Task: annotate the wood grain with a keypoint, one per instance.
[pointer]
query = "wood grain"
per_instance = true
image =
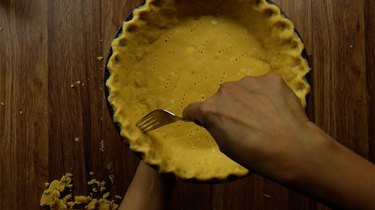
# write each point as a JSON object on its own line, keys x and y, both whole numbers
{"x": 370, "y": 72}
{"x": 339, "y": 57}
{"x": 46, "y": 46}
{"x": 74, "y": 45}
{"x": 23, "y": 91}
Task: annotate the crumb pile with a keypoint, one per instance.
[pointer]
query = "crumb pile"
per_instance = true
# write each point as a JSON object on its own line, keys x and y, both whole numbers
{"x": 59, "y": 195}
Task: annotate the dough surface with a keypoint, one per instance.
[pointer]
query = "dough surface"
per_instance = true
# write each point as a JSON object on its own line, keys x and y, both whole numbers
{"x": 174, "y": 52}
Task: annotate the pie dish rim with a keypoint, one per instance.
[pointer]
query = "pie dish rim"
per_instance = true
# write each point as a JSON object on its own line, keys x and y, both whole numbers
{"x": 106, "y": 75}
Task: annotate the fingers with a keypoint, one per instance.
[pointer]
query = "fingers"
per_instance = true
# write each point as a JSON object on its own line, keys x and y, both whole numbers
{"x": 194, "y": 113}
{"x": 270, "y": 86}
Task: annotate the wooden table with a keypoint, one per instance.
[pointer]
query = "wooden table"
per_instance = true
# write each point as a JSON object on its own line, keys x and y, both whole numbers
{"x": 48, "y": 128}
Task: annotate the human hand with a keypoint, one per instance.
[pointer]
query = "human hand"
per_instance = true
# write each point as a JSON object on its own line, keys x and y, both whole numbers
{"x": 258, "y": 122}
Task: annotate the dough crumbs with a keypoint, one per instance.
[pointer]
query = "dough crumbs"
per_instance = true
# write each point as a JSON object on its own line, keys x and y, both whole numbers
{"x": 1, "y": 28}
{"x": 58, "y": 197}
{"x": 106, "y": 195}
{"x": 91, "y": 182}
{"x": 92, "y": 204}
{"x": 111, "y": 178}
{"x": 21, "y": 112}
{"x": 76, "y": 83}
{"x": 2, "y": 103}
{"x": 102, "y": 183}
{"x": 76, "y": 139}
{"x": 99, "y": 58}
{"x": 79, "y": 199}
{"x": 102, "y": 149}
{"x": 266, "y": 195}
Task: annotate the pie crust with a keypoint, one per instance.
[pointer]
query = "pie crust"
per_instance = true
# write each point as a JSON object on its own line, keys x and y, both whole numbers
{"x": 174, "y": 52}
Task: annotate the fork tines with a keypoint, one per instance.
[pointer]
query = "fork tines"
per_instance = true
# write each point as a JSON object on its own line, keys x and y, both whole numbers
{"x": 153, "y": 120}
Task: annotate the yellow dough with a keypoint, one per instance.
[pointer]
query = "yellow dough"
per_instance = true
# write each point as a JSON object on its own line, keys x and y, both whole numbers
{"x": 174, "y": 52}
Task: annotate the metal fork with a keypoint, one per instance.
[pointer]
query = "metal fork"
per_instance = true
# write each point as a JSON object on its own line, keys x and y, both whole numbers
{"x": 157, "y": 119}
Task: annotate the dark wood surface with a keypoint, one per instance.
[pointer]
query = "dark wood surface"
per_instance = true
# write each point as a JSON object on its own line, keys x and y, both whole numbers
{"x": 45, "y": 46}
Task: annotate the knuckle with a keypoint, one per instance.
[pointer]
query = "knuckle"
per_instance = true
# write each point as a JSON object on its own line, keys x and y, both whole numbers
{"x": 273, "y": 81}
{"x": 207, "y": 108}
{"x": 251, "y": 83}
{"x": 249, "y": 79}
{"x": 228, "y": 87}
{"x": 274, "y": 77}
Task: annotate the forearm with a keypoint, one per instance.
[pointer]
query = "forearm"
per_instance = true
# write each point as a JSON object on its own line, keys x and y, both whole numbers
{"x": 148, "y": 190}
{"x": 336, "y": 176}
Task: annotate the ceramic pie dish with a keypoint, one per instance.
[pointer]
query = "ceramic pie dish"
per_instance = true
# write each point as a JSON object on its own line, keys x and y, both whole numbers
{"x": 174, "y": 52}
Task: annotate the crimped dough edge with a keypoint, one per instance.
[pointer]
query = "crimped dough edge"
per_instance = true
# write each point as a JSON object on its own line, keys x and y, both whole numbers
{"x": 298, "y": 84}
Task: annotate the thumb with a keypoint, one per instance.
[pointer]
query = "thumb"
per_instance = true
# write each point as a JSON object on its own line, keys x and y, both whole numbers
{"x": 194, "y": 113}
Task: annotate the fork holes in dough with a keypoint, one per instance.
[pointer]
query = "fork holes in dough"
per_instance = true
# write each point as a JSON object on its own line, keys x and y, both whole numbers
{"x": 223, "y": 76}
{"x": 182, "y": 101}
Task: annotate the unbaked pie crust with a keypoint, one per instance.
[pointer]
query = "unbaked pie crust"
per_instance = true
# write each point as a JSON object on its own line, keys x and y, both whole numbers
{"x": 174, "y": 52}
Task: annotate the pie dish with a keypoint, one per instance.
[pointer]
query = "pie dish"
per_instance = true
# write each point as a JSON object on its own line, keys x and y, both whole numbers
{"x": 174, "y": 52}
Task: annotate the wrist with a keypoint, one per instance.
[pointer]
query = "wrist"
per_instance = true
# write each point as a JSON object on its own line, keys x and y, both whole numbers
{"x": 148, "y": 185}
{"x": 305, "y": 154}
{"x": 315, "y": 157}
